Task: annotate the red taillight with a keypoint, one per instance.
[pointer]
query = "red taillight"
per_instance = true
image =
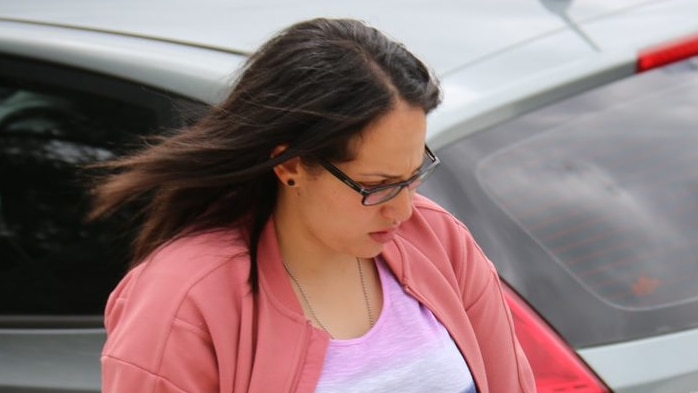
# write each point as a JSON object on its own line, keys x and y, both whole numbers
{"x": 667, "y": 53}
{"x": 556, "y": 367}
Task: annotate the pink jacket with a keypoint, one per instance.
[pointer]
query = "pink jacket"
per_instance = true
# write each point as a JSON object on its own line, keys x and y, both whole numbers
{"x": 186, "y": 320}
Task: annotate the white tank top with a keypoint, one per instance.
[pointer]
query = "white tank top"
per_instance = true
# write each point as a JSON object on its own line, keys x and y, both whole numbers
{"x": 406, "y": 351}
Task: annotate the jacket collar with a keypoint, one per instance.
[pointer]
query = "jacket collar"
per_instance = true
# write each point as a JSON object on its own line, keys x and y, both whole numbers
{"x": 272, "y": 275}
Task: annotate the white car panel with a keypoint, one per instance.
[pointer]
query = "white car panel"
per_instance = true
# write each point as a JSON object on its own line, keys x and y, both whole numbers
{"x": 591, "y": 9}
{"x": 68, "y": 358}
{"x": 454, "y": 121}
{"x": 435, "y": 30}
{"x": 653, "y": 23}
{"x": 513, "y": 83}
{"x": 177, "y": 68}
{"x": 664, "y": 363}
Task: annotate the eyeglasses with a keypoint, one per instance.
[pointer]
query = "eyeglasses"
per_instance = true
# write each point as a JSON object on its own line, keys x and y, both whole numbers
{"x": 380, "y": 194}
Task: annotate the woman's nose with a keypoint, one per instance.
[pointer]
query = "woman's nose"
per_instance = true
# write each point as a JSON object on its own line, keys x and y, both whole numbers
{"x": 399, "y": 208}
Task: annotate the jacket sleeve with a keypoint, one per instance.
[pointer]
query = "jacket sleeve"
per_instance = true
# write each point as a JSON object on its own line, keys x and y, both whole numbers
{"x": 187, "y": 366}
{"x": 150, "y": 348}
{"x": 508, "y": 370}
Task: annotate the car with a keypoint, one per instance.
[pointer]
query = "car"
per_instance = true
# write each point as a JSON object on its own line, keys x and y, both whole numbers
{"x": 568, "y": 136}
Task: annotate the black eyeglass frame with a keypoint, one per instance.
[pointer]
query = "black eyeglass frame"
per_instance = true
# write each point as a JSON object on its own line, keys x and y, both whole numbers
{"x": 399, "y": 186}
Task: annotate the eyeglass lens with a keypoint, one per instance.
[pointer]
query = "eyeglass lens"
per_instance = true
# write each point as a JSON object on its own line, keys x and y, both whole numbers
{"x": 388, "y": 193}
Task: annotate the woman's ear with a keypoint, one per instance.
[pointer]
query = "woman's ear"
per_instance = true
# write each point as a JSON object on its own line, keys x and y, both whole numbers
{"x": 288, "y": 171}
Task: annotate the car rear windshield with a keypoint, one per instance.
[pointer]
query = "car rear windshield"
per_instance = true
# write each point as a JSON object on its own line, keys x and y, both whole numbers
{"x": 590, "y": 207}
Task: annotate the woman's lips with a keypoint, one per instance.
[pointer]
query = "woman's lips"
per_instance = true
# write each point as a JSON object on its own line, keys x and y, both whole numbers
{"x": 382, "y": 236}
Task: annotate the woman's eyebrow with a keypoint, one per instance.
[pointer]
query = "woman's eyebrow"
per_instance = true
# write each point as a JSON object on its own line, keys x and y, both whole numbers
{"x": 383, "y": 175}
{"x": 388, "y": 176}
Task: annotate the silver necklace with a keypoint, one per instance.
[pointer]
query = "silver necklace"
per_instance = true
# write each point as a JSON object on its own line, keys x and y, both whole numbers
{"x": 306, "y": 300}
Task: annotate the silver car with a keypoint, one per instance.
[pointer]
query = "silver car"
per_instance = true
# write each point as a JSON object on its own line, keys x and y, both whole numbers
{"x": 568, "y": 136}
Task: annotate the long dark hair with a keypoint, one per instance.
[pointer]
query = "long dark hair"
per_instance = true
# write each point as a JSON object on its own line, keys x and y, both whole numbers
{"x": 312, "y": 87}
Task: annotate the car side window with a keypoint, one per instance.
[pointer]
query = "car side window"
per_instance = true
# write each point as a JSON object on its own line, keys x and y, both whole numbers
{"x": 54, "y": 121}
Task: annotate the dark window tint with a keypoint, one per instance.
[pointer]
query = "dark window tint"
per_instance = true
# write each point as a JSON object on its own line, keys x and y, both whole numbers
{"x": 53, "y": 121}
{"x": 590, "y": 207}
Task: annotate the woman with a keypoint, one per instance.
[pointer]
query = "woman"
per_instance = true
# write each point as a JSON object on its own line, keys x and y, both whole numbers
{"x": 283, "y": 247}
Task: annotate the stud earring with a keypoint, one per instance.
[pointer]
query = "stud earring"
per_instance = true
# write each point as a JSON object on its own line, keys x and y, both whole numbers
{"x": 290, "y": 182}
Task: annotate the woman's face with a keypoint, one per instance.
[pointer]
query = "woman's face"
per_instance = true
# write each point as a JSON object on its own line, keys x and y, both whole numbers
{"x": 331, "y": 213}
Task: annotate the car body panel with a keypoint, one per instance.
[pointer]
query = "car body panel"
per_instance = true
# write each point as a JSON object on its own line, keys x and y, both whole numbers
{"x": 501, "y": 85}
{"x": 668, "y": 364}
{"x": 242, "y": 27}
{"x": 37, "y": 361}
{"x": 189, "y": 71}
{"x": 467, "y": 108}
{"x": 436, "y": 30}
{"x": 641, "y": 26}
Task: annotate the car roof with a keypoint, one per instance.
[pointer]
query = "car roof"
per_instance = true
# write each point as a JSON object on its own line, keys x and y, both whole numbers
{"x": 449, "y": 34}
{"x": 496, "y": 58}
